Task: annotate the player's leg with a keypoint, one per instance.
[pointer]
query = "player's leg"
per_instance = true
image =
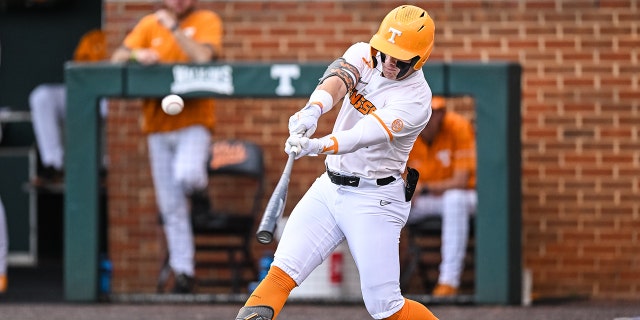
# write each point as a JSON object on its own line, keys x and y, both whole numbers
{"x": 103, "y": 106}
{"x": 172, "y": 203}
{"x": 192, "y": 154}
{"x": 373, "y": 234}
{"x": 4, "y": 248}
{"x": 194, "y": 149}
{"x": 412, "y": 310}
{"x": 268, "y": 298}
{"x": 457, "y": 206}
{"x": 48, "y": 103}
{"x": 309, "y": 236}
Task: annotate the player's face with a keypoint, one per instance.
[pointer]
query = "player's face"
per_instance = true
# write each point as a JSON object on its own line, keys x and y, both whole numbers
{"x": 180, "y": 7}
{"x": 392, "y": 67}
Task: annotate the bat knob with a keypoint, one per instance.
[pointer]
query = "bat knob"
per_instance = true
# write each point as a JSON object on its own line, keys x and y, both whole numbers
{"x": 264, "y": 237}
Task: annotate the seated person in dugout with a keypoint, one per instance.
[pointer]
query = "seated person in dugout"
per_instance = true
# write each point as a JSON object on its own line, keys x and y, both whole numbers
{"x": 48, "y": 104}
{"x": 445, "y": 156}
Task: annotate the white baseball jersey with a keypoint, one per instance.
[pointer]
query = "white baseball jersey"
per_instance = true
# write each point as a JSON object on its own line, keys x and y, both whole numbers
{"x": 401, "y": 110}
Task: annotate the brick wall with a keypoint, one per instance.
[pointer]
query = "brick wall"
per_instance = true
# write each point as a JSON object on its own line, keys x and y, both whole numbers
{"x": 580, "y": 123}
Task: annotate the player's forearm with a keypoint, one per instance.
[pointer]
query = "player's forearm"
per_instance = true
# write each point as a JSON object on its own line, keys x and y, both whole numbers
{"x": 364, "y": 134}
{"x": 121, "y": 54}
{"x": 335, "y": 87}
{"x": 197, "y": 52}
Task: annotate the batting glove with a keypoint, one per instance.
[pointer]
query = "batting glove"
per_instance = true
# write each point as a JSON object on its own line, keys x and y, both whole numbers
{"x": 305, "y": 121}
{"x": 303, "y": 146}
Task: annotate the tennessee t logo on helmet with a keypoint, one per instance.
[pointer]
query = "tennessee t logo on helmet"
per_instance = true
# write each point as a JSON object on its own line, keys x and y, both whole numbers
{"x": 394, "y": 33}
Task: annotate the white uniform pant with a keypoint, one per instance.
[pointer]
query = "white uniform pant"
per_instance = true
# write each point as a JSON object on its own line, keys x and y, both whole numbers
{"x": 179, "y": 167}
{"x": 4, "y": 240}
{"x": 369, "y": 218}
{"x": 48, "y": 103}
{"x": 455, "y": 206}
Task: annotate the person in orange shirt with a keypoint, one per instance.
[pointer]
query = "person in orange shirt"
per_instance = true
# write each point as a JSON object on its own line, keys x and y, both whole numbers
{"x": 445, "y": 157}
{"x": 179, "y": 144}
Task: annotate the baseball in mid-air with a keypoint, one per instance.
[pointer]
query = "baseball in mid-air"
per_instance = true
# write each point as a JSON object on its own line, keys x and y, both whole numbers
{"x": 172, "y": 104}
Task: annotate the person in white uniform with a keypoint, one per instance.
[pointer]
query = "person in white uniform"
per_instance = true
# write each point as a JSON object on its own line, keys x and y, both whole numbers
{"x": 4, "y": 244}
{"x": 4, "y": 249}
{"x": 445, "y": 157}
{"x": 361, "y": 198}
{"x": 48, "y": 104}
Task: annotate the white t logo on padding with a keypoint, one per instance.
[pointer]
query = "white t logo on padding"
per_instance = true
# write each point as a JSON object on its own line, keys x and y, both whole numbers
{"x": 394, "y": 33}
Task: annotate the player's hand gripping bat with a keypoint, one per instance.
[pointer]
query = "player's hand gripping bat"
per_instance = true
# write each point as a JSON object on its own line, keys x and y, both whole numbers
{"x": 276, "y": 204}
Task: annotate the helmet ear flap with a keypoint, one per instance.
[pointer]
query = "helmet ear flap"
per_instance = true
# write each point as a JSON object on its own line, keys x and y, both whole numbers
{"x": 424, "y": 58}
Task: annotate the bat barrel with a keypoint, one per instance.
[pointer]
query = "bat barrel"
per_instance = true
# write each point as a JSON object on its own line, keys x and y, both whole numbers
{"x": 275, "y": 206}
{"x": 264, "y": 237}
{"x": 272, "y": 213}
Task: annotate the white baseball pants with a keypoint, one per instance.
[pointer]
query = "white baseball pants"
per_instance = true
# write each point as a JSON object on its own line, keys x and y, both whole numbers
{"x": 48, "y": 103}
{"x": 455, "y": 206}
{"x": 4, "y": 240}
{"x": 179, "y": 167}
{"x": 369, "y": 218}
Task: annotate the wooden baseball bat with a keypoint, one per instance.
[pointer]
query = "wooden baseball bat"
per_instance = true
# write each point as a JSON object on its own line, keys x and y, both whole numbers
{"x": 276, "y": 204}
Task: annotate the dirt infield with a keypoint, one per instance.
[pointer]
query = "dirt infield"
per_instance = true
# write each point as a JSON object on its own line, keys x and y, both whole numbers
{"x": 583, "y": 310}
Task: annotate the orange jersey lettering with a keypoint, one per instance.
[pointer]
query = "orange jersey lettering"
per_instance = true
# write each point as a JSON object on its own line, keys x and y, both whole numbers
{"x": 360, "y": 103}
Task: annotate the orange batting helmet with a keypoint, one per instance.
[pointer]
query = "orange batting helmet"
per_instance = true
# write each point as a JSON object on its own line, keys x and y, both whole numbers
{"x": 406, "y": 33}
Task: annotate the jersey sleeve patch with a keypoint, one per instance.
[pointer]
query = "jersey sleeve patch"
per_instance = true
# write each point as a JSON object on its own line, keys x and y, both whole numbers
{"x": 397, "y": 125}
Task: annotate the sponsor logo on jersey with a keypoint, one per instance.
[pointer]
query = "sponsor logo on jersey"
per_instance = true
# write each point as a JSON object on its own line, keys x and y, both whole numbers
{"x": 368, "y": 62}
{"x": 333, "y": 148}
{"x": 360, "y": 103}
{"x": 384, "y": 202}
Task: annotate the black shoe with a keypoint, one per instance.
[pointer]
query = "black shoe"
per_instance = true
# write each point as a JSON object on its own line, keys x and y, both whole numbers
{"x": 183, "y": 284}
{"x": 48, "y": 176}
{"x": 49, "y": 179}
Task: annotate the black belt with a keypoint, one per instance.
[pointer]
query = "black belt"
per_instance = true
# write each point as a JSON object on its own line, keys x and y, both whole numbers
{"x": 353, "y": 181}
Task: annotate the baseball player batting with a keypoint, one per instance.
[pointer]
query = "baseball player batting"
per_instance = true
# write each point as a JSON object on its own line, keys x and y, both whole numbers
{"x": 361, "y": 196}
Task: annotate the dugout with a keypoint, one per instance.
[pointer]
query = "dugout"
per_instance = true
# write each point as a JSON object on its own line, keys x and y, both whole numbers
{"x": 36, "y": 38}
{"x": 496, "y": 88}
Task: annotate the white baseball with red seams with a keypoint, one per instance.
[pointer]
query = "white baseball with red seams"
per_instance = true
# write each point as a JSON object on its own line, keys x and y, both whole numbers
{"x": 172, "y": 104}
